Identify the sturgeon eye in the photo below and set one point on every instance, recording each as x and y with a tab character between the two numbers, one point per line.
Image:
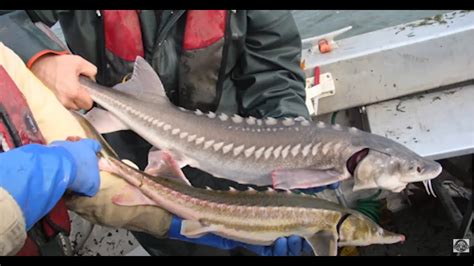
418	169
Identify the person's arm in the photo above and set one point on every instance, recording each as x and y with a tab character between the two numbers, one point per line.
34	177
270	81
32	180
12	225
55	67
21	34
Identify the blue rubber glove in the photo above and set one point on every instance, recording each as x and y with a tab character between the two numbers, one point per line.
86	181
284	246
319	189
37	176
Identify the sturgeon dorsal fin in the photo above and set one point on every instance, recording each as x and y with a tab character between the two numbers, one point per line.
144	83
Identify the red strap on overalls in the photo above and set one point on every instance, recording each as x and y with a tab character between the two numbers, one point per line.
20	128
203	28
123	35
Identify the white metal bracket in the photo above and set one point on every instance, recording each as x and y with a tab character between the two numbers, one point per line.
324	88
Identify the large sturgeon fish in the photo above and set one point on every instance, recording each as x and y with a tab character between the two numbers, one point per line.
287	153
253	217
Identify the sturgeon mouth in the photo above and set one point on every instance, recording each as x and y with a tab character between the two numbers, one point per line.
429	170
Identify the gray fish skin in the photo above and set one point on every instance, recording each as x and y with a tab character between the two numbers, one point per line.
286	153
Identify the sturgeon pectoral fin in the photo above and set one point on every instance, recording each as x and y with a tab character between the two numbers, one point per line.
194	229
323	243
162	163
304	178
132	196
104	121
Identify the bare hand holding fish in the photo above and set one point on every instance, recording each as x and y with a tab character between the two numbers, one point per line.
61	74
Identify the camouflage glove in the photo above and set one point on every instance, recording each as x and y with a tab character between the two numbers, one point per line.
100	210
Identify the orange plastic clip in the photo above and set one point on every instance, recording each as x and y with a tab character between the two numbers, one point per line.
324	46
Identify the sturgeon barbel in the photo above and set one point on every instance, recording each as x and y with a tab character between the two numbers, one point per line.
287	153
253	217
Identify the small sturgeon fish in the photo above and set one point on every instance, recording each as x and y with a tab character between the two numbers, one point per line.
250	216
287	153
254	217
